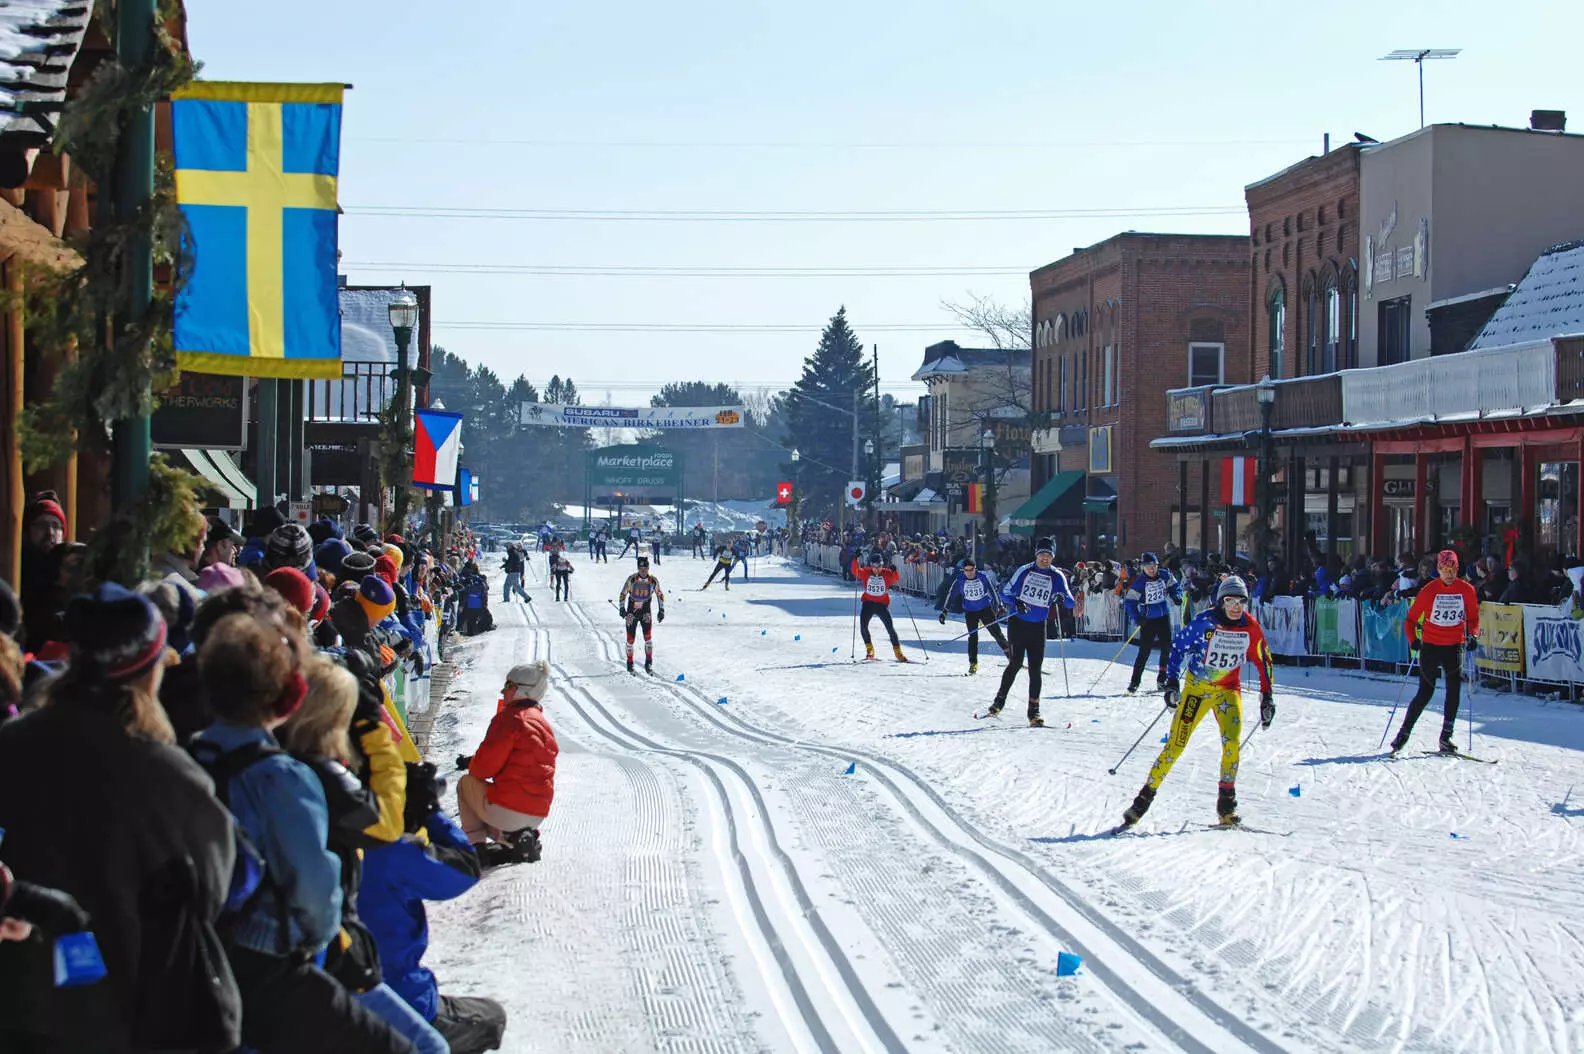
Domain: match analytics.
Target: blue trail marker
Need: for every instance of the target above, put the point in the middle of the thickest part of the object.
(852, 768)
(1067, 964)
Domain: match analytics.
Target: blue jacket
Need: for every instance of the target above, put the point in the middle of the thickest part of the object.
(281, 804)
(1144, 602)
(986, 599)
(397, 879)
(1037, 589)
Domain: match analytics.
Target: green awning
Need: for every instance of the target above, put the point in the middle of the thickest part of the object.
(1100, 504)
(1050, 503)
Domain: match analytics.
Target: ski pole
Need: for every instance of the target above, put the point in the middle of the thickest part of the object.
(1113, 769)
(1061, 642)
(908, 604)
(1473, 676)
(1114, 659)
(982, 625)
(1393, 715)
(853, 654)
(1242, 746)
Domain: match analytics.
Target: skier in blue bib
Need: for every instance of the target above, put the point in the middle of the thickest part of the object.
(1149, 599)
(1033, 591)
(981, 605)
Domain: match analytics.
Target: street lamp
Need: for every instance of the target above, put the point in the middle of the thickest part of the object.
(871, 483)
(1265, 393)
(796, 526)
(403, 312)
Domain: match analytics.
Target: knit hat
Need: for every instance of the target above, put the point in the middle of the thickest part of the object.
(44, 503)
(356, 566)
(1447, 559)
(114, 632)
(293, 586)
(1044, 545)
(219, 576)
(264, 523)
(328, 556)
(398, 557)
(323, 529)
(531, 679)
(364, 534)
(395, 539)
(376, 598)
(173, 598)
(321, 604)
(386, 568)
(288, 546)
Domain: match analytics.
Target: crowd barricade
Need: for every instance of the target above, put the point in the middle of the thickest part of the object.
(1099, 616)
(922, 579)
(826, 558)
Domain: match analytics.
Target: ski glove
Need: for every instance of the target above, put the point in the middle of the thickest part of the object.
(1173, 693)
(463, 761)
(943, 618)
(1022, 608)
(51, 910)
(660, 617)
(1267, 709)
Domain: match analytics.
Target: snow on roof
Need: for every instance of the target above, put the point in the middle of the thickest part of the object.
(38, 41)
(947, 357)
(1548, 302)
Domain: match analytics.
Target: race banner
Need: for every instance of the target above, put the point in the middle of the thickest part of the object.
(1501, 639)
(1283, 622)
(1336, 626)
(1384, 639)
(558, 415)
(1554, 646)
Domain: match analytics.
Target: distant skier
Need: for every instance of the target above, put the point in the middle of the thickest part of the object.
(700, 542)
(1444, 616)
(740, 553)
(1033, 590)
(980, 598)
(516, 564)
(634, 536)
(877, 580)
(601, 539)
(638, 593)
(1211, 651)
(561, 576)
(723, 563)
(1148, 600)
(551, 546)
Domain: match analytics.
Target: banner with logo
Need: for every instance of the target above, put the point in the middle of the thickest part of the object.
(1501, 638)
(558, 415)
(1336, 626)
(1554, 645)
(1283, 622)
(1384, 639)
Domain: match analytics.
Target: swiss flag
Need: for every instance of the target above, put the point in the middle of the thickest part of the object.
(783, 493)
(1237, 480)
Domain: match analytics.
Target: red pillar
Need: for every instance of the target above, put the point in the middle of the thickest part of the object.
(1473, 477)
(1525, 513)
(1421, 505)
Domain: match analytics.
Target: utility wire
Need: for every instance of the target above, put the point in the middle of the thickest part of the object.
(658, 144)
(640, 271)
(695, 327)
(787, 215)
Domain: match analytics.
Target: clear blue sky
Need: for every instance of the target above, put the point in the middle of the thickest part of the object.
(822, 106)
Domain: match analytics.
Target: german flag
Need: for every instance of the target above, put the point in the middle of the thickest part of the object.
(975, 496)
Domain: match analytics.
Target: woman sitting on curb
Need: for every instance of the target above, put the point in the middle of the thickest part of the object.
(510, 780)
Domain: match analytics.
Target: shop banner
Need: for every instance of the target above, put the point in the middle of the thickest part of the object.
(1553, 644)
(558, 415)
(1283, 623)
(1383, 632)
(1336, 626)
(1501, 639)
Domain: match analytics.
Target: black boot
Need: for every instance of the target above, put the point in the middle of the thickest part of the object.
(1447, 746)
(1226, 806)
(1140, 806)
(995, 707)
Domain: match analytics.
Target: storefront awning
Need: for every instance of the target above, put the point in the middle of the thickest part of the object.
(221, 485)
(1055, 501)
(1103, 500)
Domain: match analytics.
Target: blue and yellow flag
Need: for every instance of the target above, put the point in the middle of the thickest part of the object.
(256, 168)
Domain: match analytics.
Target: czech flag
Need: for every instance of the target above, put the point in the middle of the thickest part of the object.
(437, 441)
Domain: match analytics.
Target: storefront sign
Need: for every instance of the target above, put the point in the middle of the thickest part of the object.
(1501, 638)
(1100, 451)
(203, 410)
(1187, 411)
(1555, 645)
(1405, 488)
(1383, 266)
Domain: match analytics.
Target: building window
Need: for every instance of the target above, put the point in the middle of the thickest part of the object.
(1321, 218)
(1341, 246)
(1332, 300)
(1395, 329)
(1205, 364)
(1083, 382)
(1267, 234)
(1108, 382)
(1311, 325)
(1350, 319)
(1287, 227)
(1276, 316)
(1061, 385)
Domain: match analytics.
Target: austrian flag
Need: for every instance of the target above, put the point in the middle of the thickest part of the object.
(437, 441)
(1237, 480)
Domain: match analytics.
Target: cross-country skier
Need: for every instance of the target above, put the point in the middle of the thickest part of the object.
(740, 551)
(516, 564)
(1210, 651)
(637, 594)
(723, 563)
(981, 603)
(1149, 598)
(601, 539)
(700, 542)
(1033, 590)
(634, 536)
(877, 580)
(561, 576)
(1444, 616)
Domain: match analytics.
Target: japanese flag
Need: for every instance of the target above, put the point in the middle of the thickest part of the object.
(856, 491)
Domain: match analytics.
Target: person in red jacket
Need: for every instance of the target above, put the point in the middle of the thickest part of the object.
(510, 779)
(1444, 617)
(876, 581)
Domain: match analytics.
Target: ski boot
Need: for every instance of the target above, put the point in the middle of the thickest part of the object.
(648, 666)
(868, 650)
(1161, 680)
(973, 668)
(897, 648)
(1446, 745)
(1226, 807)
(1133, 688)
(1398, 742)
(1140, 806)
(629, 664)
(1035, 720)
(995, 707)
(515, 847)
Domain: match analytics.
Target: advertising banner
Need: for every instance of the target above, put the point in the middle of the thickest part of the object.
(557, 415)
(1383, 632)
(1336, 626)
(1553, 644)
(1283, 622)
(1501, 638)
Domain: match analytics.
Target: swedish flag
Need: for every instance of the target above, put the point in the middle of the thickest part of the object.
(256, 168)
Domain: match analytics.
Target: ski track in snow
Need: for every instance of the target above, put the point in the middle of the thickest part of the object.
(919, 904)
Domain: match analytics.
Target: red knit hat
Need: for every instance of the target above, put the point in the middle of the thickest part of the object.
(386, 568)
(1447, 558)
(293, 586)
(44, 504)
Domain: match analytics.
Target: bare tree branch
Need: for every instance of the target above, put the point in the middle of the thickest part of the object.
(1005, 326)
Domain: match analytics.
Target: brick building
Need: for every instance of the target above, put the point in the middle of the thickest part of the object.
(1115, 326)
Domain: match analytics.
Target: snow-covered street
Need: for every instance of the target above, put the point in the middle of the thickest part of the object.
(714, 878)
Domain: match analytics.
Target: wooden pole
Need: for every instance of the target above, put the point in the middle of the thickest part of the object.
(14, 365)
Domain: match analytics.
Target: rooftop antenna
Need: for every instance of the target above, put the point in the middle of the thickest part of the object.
(1417, 56)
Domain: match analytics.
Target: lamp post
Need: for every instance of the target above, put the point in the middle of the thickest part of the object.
(987, 504)
(403, 311)
(1265, 393)
(869, 484)
(794, 527)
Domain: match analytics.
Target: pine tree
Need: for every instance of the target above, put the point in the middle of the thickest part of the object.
(819, 412)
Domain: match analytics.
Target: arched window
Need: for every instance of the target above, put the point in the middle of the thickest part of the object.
(1350, 310)
(1311, 324)
(1060, 332)
(1276, 319)
(1330, 321)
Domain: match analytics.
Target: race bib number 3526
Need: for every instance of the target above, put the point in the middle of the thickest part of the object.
(875, 586)
(1227, 650)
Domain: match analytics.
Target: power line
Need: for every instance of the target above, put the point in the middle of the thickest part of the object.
(696, 327)
(640, 271)
(657, 144)
(787, 215)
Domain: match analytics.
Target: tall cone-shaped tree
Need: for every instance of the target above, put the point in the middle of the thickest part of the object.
(838, 379)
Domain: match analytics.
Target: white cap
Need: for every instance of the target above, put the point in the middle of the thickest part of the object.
(531, 679)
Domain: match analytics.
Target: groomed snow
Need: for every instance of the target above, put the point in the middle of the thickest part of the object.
(714, 880)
